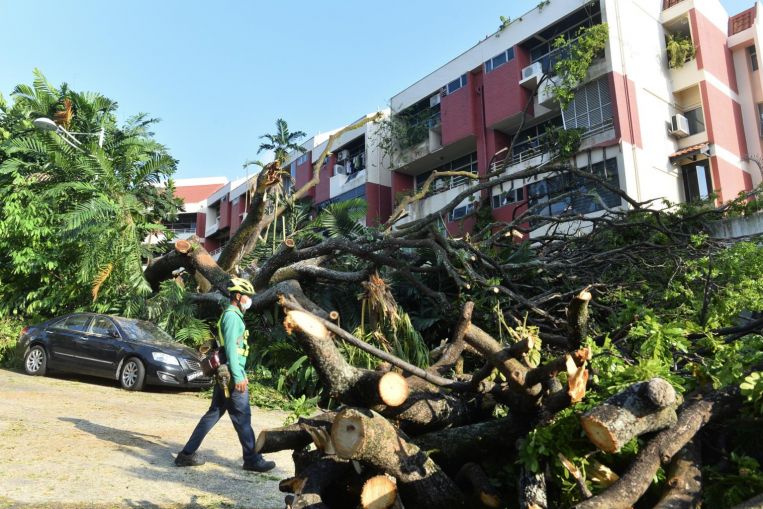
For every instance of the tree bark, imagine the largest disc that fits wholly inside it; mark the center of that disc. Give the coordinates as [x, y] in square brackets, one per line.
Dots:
[684, 483]
[452, 351]
[532, 490]
[633, 484]
[577, 318]
[190, 254]
[292, 437]
[641, 408]
[348, 384]
[754, 503]
[317, 482]
[366, 436]
[471, 474]
[451, 448]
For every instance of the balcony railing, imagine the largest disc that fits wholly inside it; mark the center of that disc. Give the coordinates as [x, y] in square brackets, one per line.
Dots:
[442, 184]
[531, 148]
[667, 4]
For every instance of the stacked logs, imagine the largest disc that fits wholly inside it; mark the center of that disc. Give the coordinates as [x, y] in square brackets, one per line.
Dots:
[404, 436]
[411, 437]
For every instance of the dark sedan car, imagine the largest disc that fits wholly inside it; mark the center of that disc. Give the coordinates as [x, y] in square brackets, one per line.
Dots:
[131, 351]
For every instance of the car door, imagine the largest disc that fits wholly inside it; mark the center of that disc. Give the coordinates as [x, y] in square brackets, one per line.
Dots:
[100, 347]
[64, 341]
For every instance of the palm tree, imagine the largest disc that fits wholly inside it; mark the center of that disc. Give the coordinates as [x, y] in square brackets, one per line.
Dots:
[282, 142]
[99, 202]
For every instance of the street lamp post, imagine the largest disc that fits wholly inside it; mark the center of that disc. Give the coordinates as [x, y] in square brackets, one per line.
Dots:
[46, 124]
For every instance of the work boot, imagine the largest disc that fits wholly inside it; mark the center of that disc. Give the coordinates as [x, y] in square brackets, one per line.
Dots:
[260, 465]
[188, 460]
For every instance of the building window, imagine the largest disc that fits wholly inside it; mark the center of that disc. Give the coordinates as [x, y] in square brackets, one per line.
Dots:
[508, 197]
[696, 120]
[567, 193]
[760, 119]
[753, 54]
[591, 107]
[465, 163]
[456, 84]
[500, 59]
[461, 212]
[302, 159]
[697, 182]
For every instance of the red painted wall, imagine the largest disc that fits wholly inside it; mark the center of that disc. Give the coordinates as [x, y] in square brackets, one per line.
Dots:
[625, 109]
[379, 199]
[510, 211]
[224, 213]
[723, 119]
[401, 183]
[305, 173]
[323, 189]
[728, 180]
[459, 228]
[504, 97]
[713, 53]
[201, 224]
[211, 244]
[457, 113]
[236, 211]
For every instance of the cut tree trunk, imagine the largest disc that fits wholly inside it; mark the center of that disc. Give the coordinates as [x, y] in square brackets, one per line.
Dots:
[416, 412]
[641, 408]
[624, 492]
[684, 482]
[379, 492]
[532, 490]
[366, 436]
[348, 384]
[292, 437]
[451, 448]
[471, 474]
[577, 318]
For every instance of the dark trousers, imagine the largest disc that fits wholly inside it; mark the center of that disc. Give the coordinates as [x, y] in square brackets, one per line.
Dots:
[240, 413]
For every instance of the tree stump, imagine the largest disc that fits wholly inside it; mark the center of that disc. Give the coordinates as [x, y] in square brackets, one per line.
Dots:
[366, 436]
[641, 408]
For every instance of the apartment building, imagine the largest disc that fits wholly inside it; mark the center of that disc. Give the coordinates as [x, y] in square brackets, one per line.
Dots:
[654, 131]
[356, 167]
[223, 212]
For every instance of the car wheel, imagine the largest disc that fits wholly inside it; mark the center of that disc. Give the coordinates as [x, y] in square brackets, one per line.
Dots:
[35, 361]
[133, 375]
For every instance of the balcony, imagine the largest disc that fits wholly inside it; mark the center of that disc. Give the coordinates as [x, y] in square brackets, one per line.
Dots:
[436, 201]
[685, 76]
[341, 183]
[211, 229]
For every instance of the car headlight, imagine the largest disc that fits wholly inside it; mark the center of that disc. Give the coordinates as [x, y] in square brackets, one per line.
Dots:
[165, 358]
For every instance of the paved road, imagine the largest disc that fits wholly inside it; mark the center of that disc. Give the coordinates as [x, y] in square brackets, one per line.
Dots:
[75, 442]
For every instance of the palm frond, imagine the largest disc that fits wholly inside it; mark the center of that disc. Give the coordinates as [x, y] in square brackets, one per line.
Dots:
[100, 278]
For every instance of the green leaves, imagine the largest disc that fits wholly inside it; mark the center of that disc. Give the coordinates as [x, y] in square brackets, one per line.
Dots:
[752, 389]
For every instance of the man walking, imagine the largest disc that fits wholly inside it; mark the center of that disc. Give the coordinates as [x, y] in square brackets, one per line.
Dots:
[232, 335]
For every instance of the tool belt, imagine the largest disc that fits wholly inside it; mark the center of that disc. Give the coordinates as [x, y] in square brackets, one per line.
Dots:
[223, 379]
[212, 361]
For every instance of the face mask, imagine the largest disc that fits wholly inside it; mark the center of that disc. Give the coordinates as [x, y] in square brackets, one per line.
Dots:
[246, 304]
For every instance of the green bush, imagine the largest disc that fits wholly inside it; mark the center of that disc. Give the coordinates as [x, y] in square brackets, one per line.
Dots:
[9, 336]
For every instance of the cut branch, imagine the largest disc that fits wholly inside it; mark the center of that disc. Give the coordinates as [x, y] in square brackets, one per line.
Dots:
[368, 437]
[641, 408]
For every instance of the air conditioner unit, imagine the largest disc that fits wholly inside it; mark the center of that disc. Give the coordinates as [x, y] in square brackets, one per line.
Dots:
[343, 155]
[434, 100]
[339, 170]
[679, 126]
[531, 75]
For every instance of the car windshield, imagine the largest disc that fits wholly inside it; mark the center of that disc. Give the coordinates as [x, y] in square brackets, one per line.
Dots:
[138, 330]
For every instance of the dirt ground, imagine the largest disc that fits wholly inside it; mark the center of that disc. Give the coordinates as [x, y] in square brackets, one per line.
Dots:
[79, 442]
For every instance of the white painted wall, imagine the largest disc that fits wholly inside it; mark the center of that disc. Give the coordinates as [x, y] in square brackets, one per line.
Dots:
[519, 30]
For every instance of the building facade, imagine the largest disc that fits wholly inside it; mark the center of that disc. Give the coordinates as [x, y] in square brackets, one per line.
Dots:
[649, 129]
[652, 129]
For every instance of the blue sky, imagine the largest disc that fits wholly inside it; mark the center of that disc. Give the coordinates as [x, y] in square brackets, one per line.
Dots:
[219, 74]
